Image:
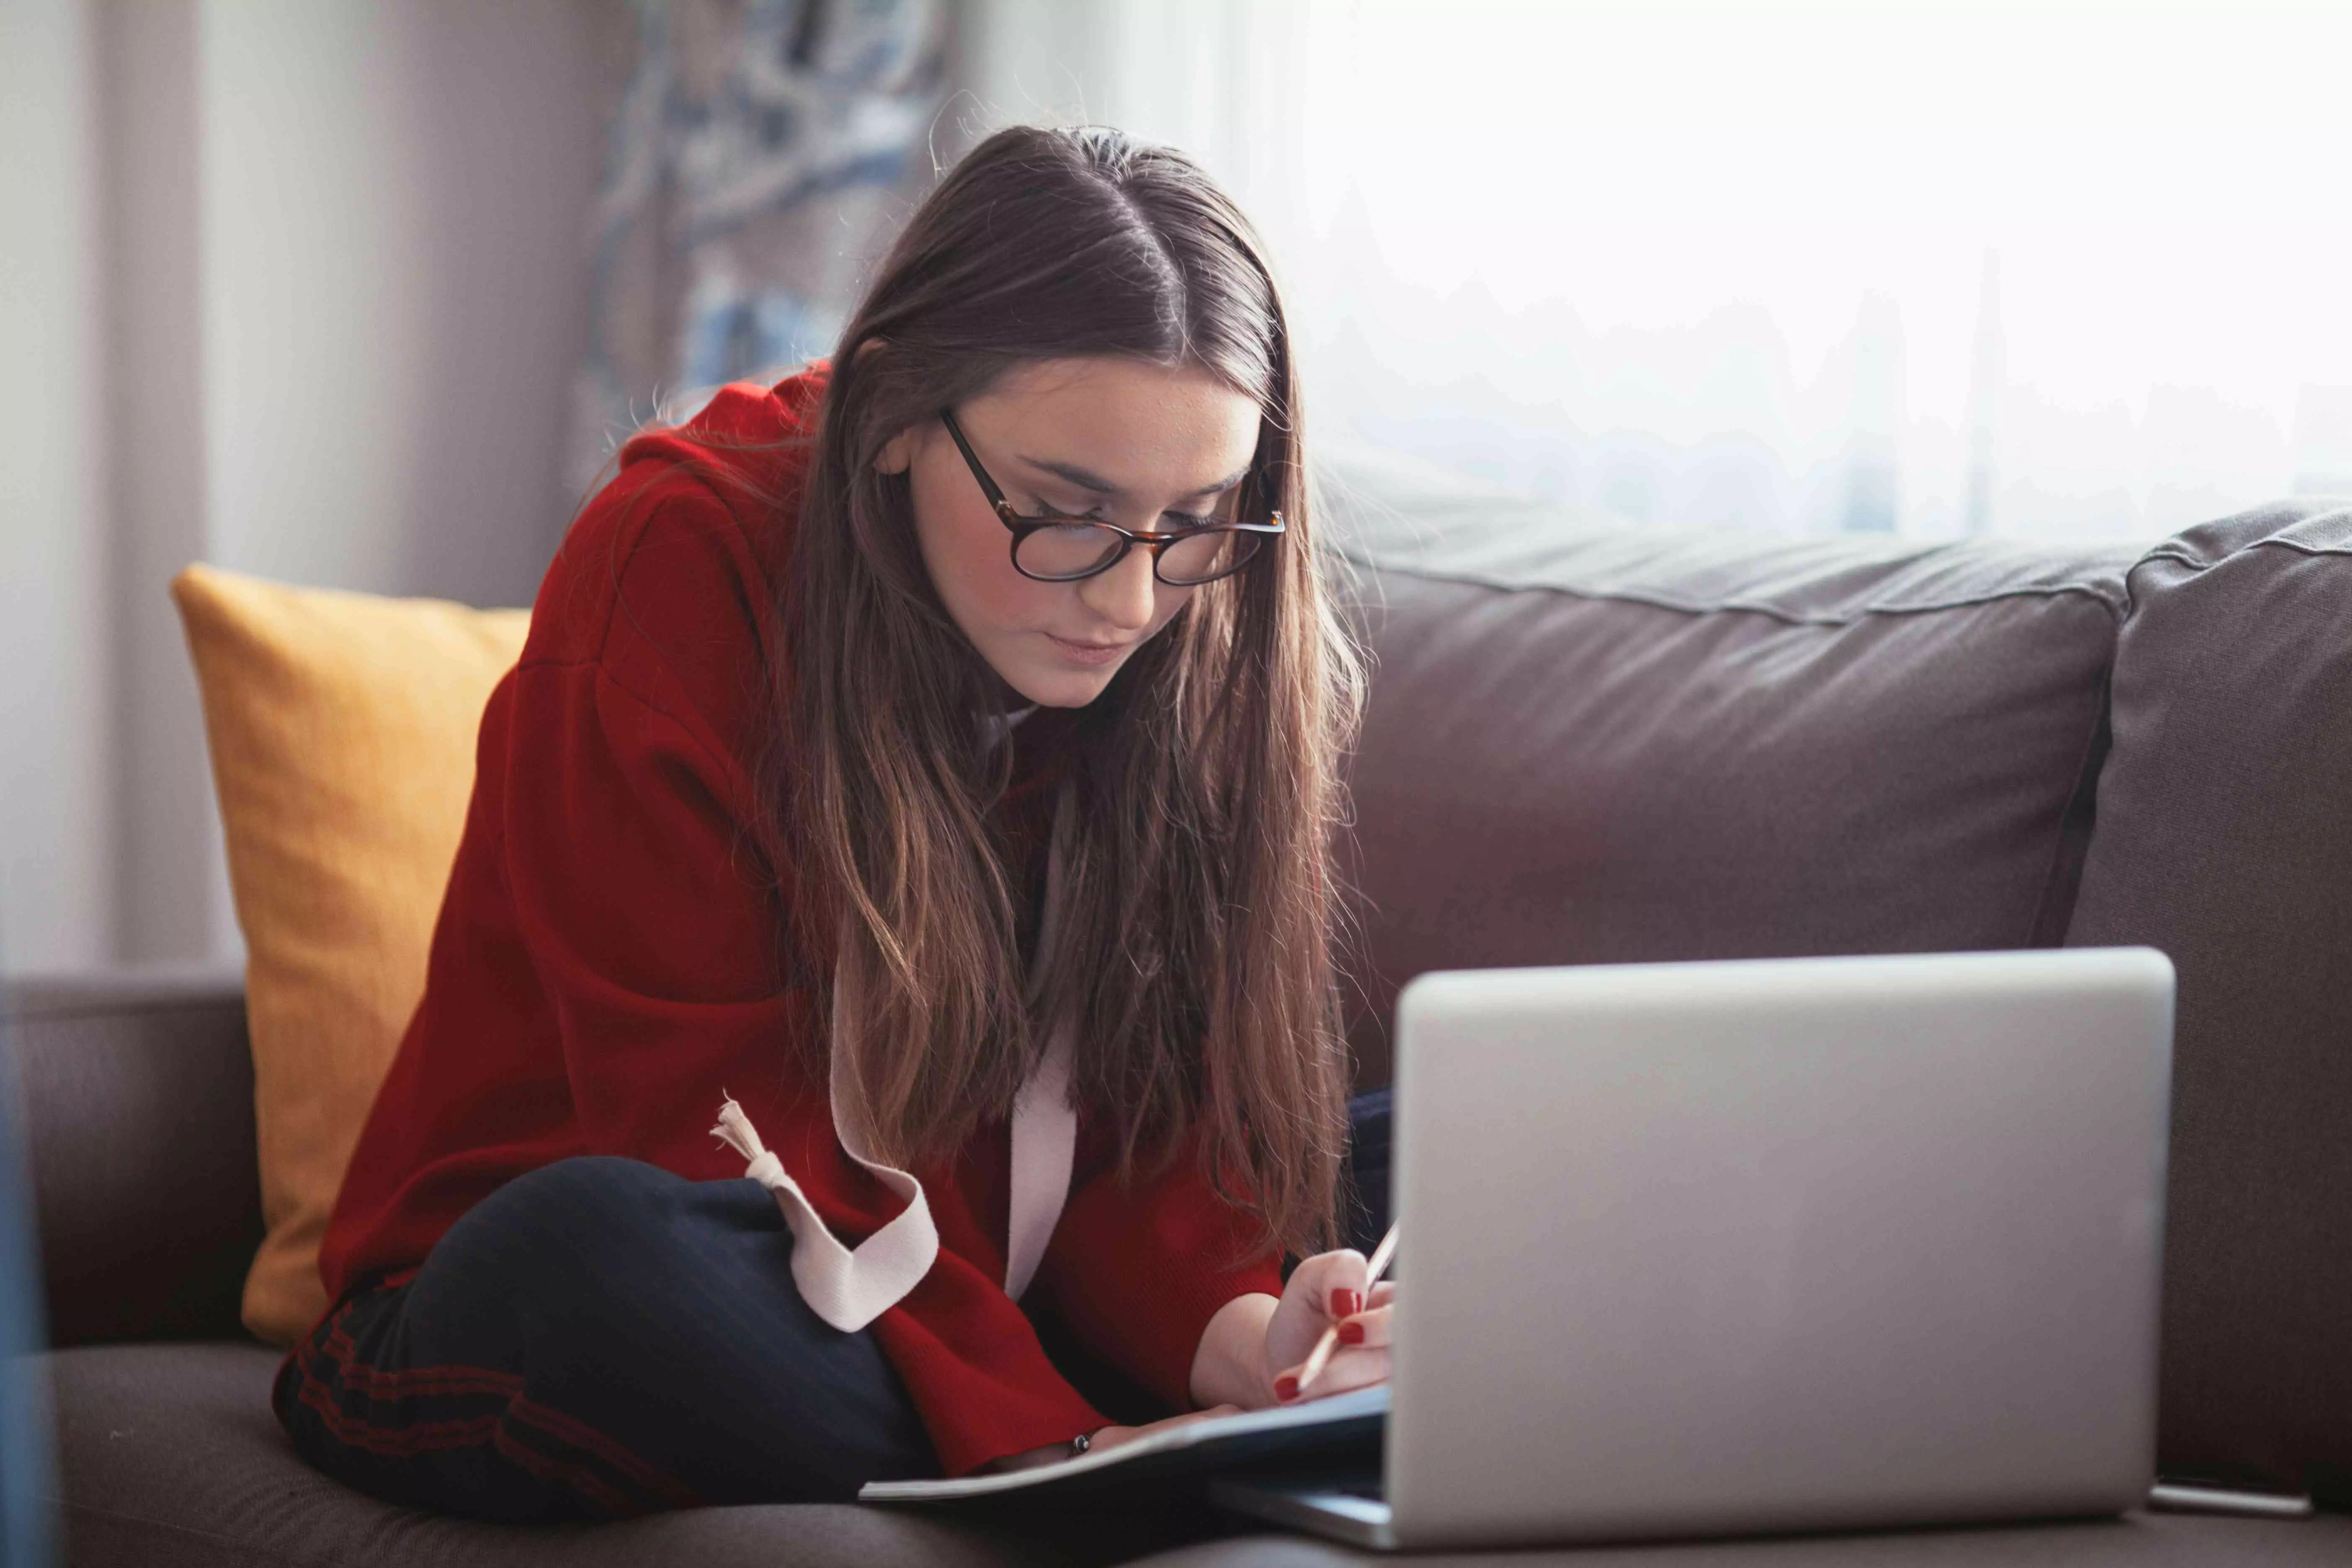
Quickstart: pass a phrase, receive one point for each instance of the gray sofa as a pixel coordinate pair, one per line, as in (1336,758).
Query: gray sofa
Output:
(1585,743)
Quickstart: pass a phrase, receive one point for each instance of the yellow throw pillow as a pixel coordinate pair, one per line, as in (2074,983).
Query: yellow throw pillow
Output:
(342,730)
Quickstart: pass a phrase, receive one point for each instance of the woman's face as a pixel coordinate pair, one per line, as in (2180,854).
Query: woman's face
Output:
(1147,446)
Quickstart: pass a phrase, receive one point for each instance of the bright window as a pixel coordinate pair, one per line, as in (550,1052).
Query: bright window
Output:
(2061,270)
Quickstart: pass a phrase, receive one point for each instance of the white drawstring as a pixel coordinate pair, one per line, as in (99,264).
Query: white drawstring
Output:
(851,1286)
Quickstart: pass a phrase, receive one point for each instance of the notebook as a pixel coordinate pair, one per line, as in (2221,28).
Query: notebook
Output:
(1345,1428)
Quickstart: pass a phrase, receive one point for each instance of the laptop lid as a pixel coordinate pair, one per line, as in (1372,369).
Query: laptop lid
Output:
(1777,1244)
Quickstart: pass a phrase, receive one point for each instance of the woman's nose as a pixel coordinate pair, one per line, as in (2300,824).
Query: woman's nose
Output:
(1126,595)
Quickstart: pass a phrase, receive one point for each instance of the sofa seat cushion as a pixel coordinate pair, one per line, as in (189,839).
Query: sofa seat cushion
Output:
(169,1454)
(2140,1540)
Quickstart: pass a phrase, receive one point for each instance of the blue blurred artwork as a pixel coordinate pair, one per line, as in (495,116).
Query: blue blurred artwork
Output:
(762,154)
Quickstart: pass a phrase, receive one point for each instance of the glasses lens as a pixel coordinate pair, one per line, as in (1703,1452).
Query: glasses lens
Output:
(1067,550)
(1206,555)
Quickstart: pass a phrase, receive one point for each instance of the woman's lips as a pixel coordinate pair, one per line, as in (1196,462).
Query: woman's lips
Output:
(1088,652)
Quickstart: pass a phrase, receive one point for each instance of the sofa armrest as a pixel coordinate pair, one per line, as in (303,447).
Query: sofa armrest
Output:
(137,1094)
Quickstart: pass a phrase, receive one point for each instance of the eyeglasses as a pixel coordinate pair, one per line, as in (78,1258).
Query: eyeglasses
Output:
(1052,547)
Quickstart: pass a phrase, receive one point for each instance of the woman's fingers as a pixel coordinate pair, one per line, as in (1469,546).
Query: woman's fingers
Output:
(1382,1293)
(1360,1359)
(1322,1291)
(1350,1368)
(1333,1282)
(1369,1328)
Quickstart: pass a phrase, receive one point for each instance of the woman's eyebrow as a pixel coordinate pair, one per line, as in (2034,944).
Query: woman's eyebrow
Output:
(1087,479)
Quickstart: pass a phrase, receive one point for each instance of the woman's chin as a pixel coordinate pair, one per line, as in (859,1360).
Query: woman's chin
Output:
(1060,688)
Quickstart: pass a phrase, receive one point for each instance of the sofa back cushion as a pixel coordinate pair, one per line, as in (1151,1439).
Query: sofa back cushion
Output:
(1587,742)
(2225,838)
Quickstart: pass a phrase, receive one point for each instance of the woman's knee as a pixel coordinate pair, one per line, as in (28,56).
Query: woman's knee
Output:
(591,1211)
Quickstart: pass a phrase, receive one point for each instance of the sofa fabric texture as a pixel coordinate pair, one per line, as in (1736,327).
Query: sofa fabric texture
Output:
(169,1457)
(2224,838)
(1585,742)
(1591,744)
(136,1093)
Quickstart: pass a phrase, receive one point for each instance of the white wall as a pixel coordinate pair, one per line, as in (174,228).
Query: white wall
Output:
(56,874)
(396,197)
(171,877)
(292,286)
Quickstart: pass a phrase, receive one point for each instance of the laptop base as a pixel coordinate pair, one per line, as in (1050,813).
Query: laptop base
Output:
(1347,1508)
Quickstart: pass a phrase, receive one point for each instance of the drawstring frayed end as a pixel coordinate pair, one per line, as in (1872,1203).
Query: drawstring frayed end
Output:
(736,1131)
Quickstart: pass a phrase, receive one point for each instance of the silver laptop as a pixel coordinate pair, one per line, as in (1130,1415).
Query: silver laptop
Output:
(1714,1248)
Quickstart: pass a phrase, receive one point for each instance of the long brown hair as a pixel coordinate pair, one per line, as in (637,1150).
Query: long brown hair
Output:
(1198,916)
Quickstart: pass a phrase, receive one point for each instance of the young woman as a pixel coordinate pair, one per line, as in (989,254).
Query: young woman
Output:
(925,769)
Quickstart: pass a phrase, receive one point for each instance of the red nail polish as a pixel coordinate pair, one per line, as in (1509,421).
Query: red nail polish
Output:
(1351,1333)
(1347,1303)
(1286,1388)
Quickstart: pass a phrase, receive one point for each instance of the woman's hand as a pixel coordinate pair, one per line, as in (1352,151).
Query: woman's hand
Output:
(1254,1343)
(1324,1291)
(1105,1437)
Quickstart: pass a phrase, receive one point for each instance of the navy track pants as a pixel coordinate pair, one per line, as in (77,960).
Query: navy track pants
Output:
(600,1338)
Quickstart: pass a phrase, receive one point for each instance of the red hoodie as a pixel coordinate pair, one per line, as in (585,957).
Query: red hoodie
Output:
(605,966)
